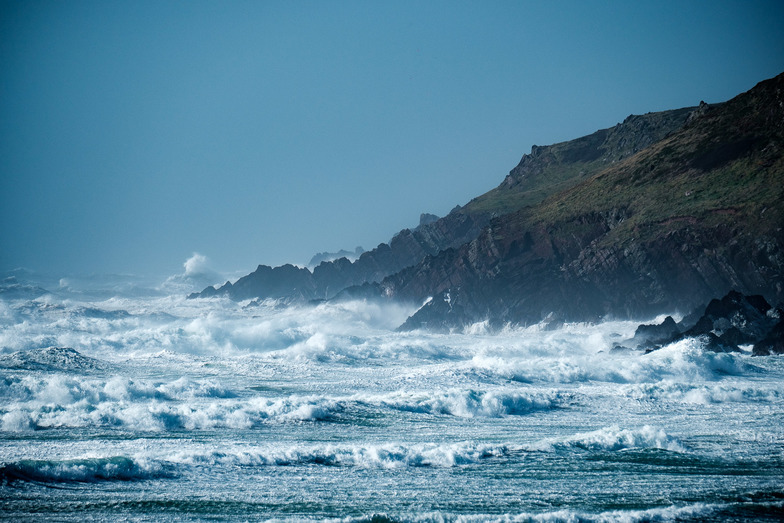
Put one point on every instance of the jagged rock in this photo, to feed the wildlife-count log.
(321, 257)
(443, 313)
(773, 342)
(329, 278)
(658, 214)
(729, 322)
(735, 319)
(427, 219)
(649, 336)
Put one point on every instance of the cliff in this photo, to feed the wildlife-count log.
(546, 171)
(328, 278)
(683, 220)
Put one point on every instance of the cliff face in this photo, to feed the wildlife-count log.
(546, 171)
(662, 212)
(684, 220)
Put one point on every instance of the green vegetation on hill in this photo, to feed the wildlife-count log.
(727, 163)
(555, 168)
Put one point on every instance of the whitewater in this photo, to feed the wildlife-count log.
(119, 403)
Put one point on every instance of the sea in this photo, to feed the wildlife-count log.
(121, 401)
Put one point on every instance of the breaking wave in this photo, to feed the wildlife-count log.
(370, 456)
(695, 512)
(683, 360)
(117, 468)
(614, 438)
(185, 404)
(471, 403)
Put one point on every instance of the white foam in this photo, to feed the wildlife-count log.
(614, 438)
(387, 455)
(85, 470)
(670, 513)
(704, 393)
(684, 360)
(472, 403)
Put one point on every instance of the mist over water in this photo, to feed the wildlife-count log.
(123, 399)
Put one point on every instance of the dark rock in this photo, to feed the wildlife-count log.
(691, 319)
(649, 336)
(736, 319)
(332, 256)
(714, 343)
(773, 342)
(654, 215)
(443, 313)
(733, 337)
(732, 321)
(329, 278)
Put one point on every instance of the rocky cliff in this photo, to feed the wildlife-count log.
(328, 278)
(659, 213)
(546, 171)
(681, 221)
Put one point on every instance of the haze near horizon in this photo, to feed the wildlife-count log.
(134, 134)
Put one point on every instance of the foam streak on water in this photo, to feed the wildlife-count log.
(160, 408)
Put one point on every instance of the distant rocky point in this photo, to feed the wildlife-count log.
(320, 257)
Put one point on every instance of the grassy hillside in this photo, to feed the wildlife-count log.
(555, 168)
(726, 165)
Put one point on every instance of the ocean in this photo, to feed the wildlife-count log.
(119, 403)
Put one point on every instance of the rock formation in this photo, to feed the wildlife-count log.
(690, 217)
(658, 214)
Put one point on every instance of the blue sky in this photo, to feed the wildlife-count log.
(135, 133)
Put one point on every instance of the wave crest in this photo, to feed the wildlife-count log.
(117, 468)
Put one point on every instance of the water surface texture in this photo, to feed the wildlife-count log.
(135, 406)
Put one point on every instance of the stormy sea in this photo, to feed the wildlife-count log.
(120, 401)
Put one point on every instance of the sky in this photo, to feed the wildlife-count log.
(134, 134)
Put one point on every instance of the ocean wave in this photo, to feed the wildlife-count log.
(614, 438)
(162, 416)
(685, 360)
(116, 468)
(472, 403)
(371, 456)
(60, 401)
(174, 464)
(704, 394)
(694, 512)
(62, 389)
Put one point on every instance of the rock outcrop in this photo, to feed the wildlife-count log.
(320, 257)
(658, 214)
(688, 218)
(328, 278)
(723, 326)
(773, 342)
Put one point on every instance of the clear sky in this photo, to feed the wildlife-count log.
(135, 133)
